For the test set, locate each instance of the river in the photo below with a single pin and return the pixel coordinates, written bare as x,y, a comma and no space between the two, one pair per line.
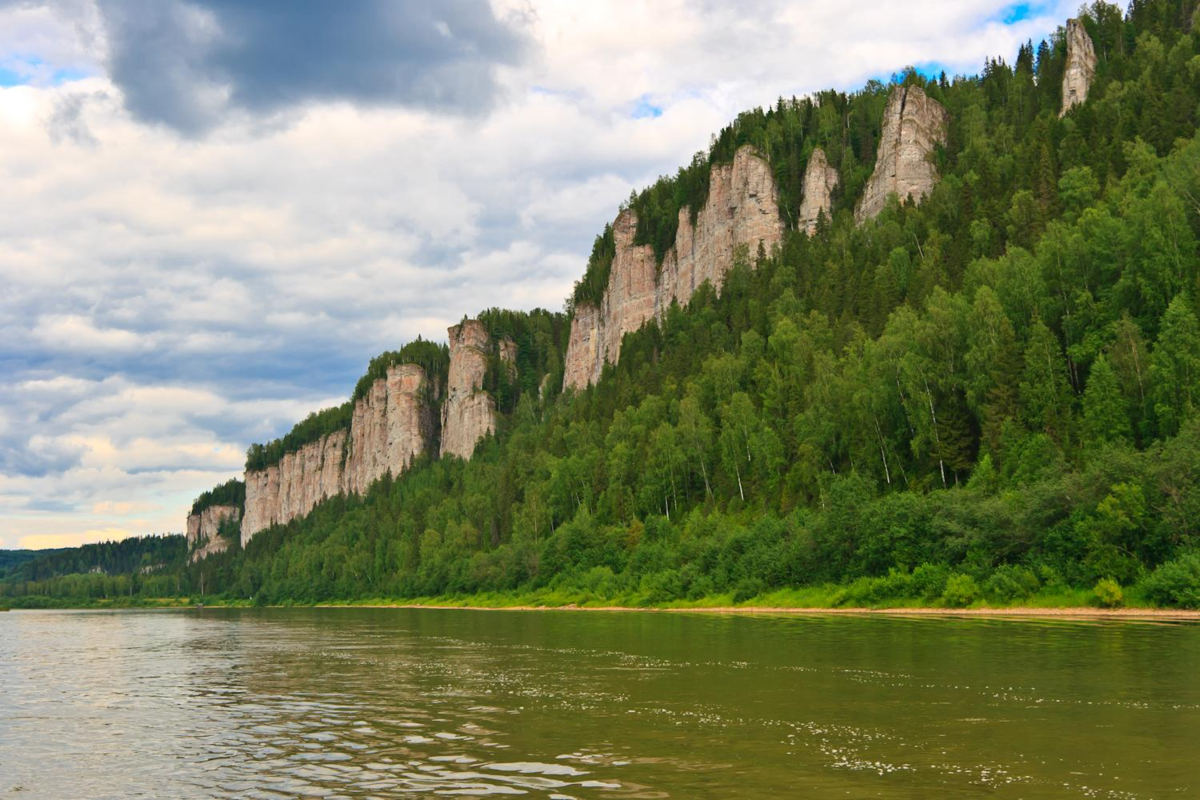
387,702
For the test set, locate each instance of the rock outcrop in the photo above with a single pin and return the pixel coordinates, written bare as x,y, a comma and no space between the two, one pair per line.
913,126
740,215
469,413
389,428
820,180
203,531
1081,66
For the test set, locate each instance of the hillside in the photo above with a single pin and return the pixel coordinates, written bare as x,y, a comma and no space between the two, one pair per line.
932,341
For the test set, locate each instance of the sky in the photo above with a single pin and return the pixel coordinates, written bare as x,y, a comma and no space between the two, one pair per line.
213,213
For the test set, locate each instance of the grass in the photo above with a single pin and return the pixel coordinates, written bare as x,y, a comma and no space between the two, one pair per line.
826,596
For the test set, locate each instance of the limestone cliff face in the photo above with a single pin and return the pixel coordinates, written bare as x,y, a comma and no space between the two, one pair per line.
820,180
913,126
389,428
741,213
1081,66
469,413
203,531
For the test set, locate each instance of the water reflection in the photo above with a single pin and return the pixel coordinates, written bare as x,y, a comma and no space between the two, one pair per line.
336,703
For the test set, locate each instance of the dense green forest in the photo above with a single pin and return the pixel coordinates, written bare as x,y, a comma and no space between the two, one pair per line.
127,570
985,398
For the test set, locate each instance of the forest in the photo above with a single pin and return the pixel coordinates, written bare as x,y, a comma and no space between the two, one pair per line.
989,397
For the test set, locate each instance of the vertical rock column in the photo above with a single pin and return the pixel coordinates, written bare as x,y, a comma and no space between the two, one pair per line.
913,126
1081,66
468,413
820,180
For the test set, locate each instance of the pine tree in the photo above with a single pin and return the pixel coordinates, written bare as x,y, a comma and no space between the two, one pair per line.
1105,412
1045,393
1175,367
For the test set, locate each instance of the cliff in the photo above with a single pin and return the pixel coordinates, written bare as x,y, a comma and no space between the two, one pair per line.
203,531
1081,66
820,180
740,214
469,413
390,427
913,126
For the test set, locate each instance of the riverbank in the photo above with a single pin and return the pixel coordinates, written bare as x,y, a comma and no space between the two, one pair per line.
1010,612
1074,605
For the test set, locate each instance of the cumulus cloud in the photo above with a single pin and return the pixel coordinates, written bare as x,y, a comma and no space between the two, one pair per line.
213,216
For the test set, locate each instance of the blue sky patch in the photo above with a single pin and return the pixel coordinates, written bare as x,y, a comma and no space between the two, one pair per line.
643,108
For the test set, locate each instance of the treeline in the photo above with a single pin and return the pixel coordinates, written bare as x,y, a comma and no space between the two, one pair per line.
137,554
540,337
230,493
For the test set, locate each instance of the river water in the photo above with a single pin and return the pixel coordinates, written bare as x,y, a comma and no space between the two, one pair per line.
378,702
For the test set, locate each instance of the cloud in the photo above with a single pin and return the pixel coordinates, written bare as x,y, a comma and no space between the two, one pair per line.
188,64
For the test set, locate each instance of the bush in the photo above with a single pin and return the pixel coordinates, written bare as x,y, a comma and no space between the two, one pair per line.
961,590
1011,582
1176,583
929,580
747,589
1108,593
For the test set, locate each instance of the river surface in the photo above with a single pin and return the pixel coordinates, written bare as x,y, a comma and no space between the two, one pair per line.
379,702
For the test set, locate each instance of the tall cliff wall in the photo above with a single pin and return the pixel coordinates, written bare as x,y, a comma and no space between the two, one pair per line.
913,126
1081,66
469,413
389,428
203,531
741,213
820,180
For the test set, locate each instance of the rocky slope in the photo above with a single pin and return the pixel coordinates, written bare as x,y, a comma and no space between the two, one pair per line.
1081,66
390,427
913,126
469,413
820,180
741,213
203,530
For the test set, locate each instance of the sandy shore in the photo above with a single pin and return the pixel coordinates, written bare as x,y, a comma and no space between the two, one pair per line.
1078,613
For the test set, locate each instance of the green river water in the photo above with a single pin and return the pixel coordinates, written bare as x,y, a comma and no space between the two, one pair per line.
386,702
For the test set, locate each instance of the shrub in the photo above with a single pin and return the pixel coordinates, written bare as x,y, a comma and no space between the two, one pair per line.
929,580
1176,583
961,590
748,588
1011,582
1108,593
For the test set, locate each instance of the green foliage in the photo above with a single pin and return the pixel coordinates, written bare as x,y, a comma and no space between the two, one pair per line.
1108,593
589,290
961,591
316,425
1009,583
432,357
230,493
1176,583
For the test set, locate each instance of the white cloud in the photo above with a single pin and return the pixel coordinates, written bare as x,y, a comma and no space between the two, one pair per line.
168,300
